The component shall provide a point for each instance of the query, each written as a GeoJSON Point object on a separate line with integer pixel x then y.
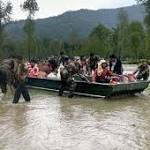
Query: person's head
{"type": "Point", "coordinates": [77, 65]}
{"type": "Point", "coordinates": [66, 60]}
{"type": "Point", "coordinates": [83, 60]}
{"type": "Point", "coordinates": [71, 66]}
{"type": "Point", "coordinates": [91, 54]}
{"type": "Point", "coordinates": [113, 58]}
{"type": "Point", "coordinates": [61, 53]}
{"type": "Point", "coordinates": [104, 65]}
{"type": "Point", "coordinates": [12, 64]}
{"type": "Point", "coordinates": [144, 62]}
{"type": "Point", "coordinates": [81, 57]}
{"type": "Point", "coordinates": [19, 59]}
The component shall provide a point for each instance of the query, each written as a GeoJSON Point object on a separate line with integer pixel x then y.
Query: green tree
{"type": "Point", "coordinates": [99, 41]}
{"type": "Point", "coordinates": [123, 39]}
{"type": "Point", "coordinates": [136, 39]}
{"type": "Point", "coordinates": [73, 42]}
{"type": "Point", "coordinates": [115, 39]}
{"type": "Point", "coordinates": [146, 3]}
{"type": "Point", "coordinates": [30, 6]}
{"type": "Point", "coordinates": [5, 12]}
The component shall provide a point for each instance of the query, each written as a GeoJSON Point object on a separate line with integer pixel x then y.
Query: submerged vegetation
{"type": "Point", "coordinates": [128, 40]}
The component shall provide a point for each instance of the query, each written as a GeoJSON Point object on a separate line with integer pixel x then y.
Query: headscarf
{"type": "Point", "coordinates": [100, 69]}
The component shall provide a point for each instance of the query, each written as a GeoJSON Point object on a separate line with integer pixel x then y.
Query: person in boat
{"type": "Point", "coordinates": [20, 77]}
{"type": "Point", "coordinates": [34, 72]}
{"type": "Point", "coordinates": [142, 72]}
{"type": "Point", "coordinates": [115, 65]}
{"type": "Point", "coordinates": [54, 73]}
{"type": "Point", "coordinates": [102, 73]}
{"type": "Point", "coordinates": [61, 58]}
{"type": "Point", "coordinates": [30, 67]}
{"type": "Point", "coordinates": [83, 65]}
{"type": "Point", "coordinates": [92, 63]}
{"type": "Point", "coordinates": [67, 80]}
{"type": "Point", "coordinates": [53, 64]}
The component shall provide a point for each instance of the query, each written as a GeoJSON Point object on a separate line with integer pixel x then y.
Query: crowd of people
{"type": "Point", "coordinates": [90, 69]}
{"type": "Point", "coordinates": [100, 70]}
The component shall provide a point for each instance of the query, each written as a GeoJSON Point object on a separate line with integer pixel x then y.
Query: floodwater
{"type": "Point", "coordinates": [50, 122]}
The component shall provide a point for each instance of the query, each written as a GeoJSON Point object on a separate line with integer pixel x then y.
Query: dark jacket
{"type": "Point", "coordinates": [118, 69]}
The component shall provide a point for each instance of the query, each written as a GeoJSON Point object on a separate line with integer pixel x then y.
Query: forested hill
{"type": "Point", "coordinates": [79, 22]}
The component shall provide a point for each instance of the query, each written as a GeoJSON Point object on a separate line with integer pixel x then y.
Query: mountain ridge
{"type": "Point", "coordinates": [80, 22]}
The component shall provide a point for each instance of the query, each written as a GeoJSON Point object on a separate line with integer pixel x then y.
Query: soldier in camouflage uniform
{"type": "Point", "coordinates": [7, 72]}
{"type": "Point", "coordinates": [20, 86]}
{"type": "Point", "coordinates": [67, 80]}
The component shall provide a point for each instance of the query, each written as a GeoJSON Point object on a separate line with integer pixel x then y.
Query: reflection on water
{"type": "Point", "coordinates": [54, 123]}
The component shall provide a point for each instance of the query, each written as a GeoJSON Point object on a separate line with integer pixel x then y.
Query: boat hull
{"type": "Point", "coordinates": [91, 89]}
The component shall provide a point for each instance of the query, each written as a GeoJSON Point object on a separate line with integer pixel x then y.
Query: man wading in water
{"type": "Point", "coordinates": [19, 83]}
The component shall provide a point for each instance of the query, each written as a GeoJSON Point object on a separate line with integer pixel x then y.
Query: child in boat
{"type": "Point", "coordinates": [102, 73]}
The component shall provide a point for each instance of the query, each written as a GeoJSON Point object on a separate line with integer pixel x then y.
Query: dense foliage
{"type": "Point", "coordinates": [5, 12]}
{"type": "Point", "coordinates": [31, 6]}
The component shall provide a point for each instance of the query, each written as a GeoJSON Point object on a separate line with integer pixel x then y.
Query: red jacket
{"type": "Point", "coordinates": [103, 75]}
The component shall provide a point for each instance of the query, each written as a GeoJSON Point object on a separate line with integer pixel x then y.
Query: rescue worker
{"type": "Point", "coordinates": [61, 58]}
{"type": "Point", "coordinates": [7, 73]}
{"type": "Point", "coordinates": [67, 80]}
{"type": "Point", "coordinates": [20, 83]}
{"type": "Point", "coordinates": [142, 71]}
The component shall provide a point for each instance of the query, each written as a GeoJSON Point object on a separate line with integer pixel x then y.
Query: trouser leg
{"type": "Point", "coordinates": [62, 88]}
{"type": "Point", "coordinates": [72, 87]}
{"type": "Point", "coordinates": [3, 87]}
{"type": "Point", "coordinates": [3, 82]}
{"type": "Point", "coordinates": [17, 94]}
{"type": "Point", "coordinates": [25, 93]}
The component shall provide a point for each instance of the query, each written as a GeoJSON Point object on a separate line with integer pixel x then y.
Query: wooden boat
{"type": "Point", "coordinates": [91, 89]}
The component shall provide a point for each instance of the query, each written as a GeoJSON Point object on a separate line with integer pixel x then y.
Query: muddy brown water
{"type": "Point", "coordinates": [50, 122]}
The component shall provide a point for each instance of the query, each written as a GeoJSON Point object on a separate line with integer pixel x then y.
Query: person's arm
{"type": "Point", "coordinates": [136, 71]}
{"type": "Point", "coordinates": [83, 77]}
{"type": "Point", "coordinates": [110, 73]}
{"type": "Point", "coordinates": [110, 65]}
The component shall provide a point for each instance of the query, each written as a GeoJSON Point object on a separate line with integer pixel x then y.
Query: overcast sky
{"type": "Point", "coordinates": [55, 7]}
